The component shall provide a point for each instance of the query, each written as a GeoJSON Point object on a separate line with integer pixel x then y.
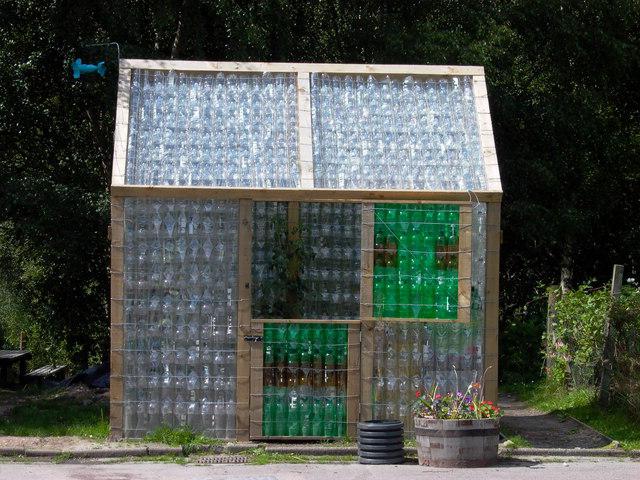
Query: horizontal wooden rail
{"type": "Point", "coordinates": [302, 194]}
{"type": "Point", "coordinates": [342, 68]}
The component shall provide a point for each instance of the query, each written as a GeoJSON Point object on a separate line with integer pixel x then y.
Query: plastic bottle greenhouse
{"type": "Point", "coordinates": [297, 247]}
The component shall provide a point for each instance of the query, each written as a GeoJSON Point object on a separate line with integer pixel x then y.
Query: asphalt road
{"type": "Point", "coordinates": [585, 469]}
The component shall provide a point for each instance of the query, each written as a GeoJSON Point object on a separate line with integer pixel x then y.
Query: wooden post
{"type": "Point", "coordinates": [465, 230]}
{"type": "Point", "coordinates": [243, 370]}
{"type": "Point", "coordinates": [366, 308]}
{"type": "Point", "coordinates": [552, 296]}
{"type": "Point", "coordinates": [492, 298]}
{"type": "Point", "coordinates": [116, 391]}
{"type": "Point", "coordinates": [257, 379]}
{"type": "Point", "coordinates": [121, 133]}
{"type": "Point", "coordinates": [305, 144]}
{"type": "Point", "coordinates": [608, 355]}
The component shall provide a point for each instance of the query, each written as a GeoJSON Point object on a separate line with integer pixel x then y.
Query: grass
{"type": "Point", "coordinates": [516, 441]}
{"type": "Point", "coordinates": [55, 418]}
{"type": "Point", "coordinates": [259, 456]}
{"type": "Point", "coordinates": [179, 437]}
{"type": "Point", "coordinates": [581, 404]}
{"type": "Point", "coordinates": [62, 457]}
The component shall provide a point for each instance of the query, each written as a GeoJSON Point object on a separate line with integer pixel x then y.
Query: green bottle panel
{"type": "Point", "coordinates": [416, 261]}
{"type": "Point", "coordinates": [305, 380]}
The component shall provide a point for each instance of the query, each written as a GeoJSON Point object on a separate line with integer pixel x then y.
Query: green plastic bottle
{"type": "Point", "coordinates": [431, 228]}
{"type": "Point", "coordinates": [293, 350]}
{"type": "Point", "coordinates": [390, 297]}
{"type": "Point", "coordinates": [404, 298]}
{"type": "Point", "coordinates": [318, 417]}
{"type": "Point", "coordinates": [280, 346]}
{"type": "Point", "coordinates": [428, 298]}
{"type": "Point", "coordinates": [441, 298]}
{"type": "Point", "coordinates": [341, 417]}
{"type": "Point", "coordinates": [293, 415]}
{"type": "Point", "coordinates": [379, 281]}
{"type": "Point", "coordinates": [441, 250]}
{"type": "Point", "coordinates": [306, 416]}
{"type": "Point", "coordinates": [403, 218]}
{"type": "Point", "coordinates": [452, 298]}
{"type": "Point", "coordinates": [391, 215]}
{"type": "Point", "coordinates": [281, 412]}
{"type": "Point", "coordinates": [330, 417]}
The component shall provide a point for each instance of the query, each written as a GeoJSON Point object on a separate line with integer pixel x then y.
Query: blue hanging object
{"type": "Point", "coordinates": [79, 68]}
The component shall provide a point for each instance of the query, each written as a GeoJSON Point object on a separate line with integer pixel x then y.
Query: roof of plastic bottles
{"type": "Point", "coordinates": [304, 126]}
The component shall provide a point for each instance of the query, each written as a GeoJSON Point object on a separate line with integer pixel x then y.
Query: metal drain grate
{"type": "Point", "coordinates": [222, 459]}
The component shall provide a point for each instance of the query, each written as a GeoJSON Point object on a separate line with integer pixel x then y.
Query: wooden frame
{"type": "Point", "coordinates": [121, 133]}
{"type": "Point", "coordinates": [303, 195]}
{"type": "Point", "coordinates": [360, 332]}
{"type": "Point", "coordinates": [342, 68]}
{"type": "Point", "coordinates": [243, 355]}
{"type": "Point", "coordinates": [116, 398]}
{"type": "Point", "coordinates": [492, 299]}
{"type": "Point", "coordinates": [464, 271]}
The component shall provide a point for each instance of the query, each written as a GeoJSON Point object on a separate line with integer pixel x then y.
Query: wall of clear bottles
{"type": "Point", "coordinates": [212, 129]}
{"type": "Point", "coordinates": [180, 315]}
{"type": "Point", "coordinates": [388, 133]}
{"type": "Point", "coordinates": [330, 273]}
{"type": "Point", "coordinates": [270, 230]}
{"type": "Point", "coordinates": [418, 355]}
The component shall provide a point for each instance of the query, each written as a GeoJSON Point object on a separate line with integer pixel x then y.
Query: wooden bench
{"type": "Point", "coordinates": [39, 374]}
{"type": "Point", "coordinates": [8, 358]}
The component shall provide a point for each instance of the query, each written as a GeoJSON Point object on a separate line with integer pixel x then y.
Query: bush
{"type": "Point", "coordinates": [580, 317]}
{"type": "Point", "coordinates": [576, 353]}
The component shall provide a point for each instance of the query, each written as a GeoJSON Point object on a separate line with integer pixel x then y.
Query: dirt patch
{"type": "Point", "coordinates": [546, 430]}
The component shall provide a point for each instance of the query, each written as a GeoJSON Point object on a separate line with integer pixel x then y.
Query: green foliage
{"type": "Point", "coordinates": [580, 318]}
{"type": "Point", "coordinates": [616, 423]}
{"type": "Point", "coordinates": [521, 355]}
{"type": "Point", "coordinates": [577, 352]}
{"type": "Point", "coordinates": [57, 417]}
{"type": "Point", "coordinates": [625, 323]}
{"type": "Point", "coordinates": [284, 293]}
{"type": "Point", "coordinates": [178, 437]}
{"type": "Point", "coordinates": [259, 456]}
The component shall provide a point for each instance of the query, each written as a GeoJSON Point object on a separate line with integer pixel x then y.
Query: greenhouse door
{"type": "Point", "coordinates": [304, 333]}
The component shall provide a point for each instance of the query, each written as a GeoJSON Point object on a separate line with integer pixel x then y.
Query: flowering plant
{"type": "Point", "coordinates": [466, 405]}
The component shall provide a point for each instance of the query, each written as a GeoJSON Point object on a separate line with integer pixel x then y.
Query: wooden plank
{"type": "Point", "coordinates": [464, 264]}
{"type": "Point", "coordinates": [293, 219]}
{"type": "Point", "coordinates": [259, 67]}
{"type": "Point", "coordinates": [353, 380]}
{"type": "Point", "coordinates": [366, 307]}
{"type": "Point", "coordinates": [336, 321]}
{"type": "Point", "coordinates": [244, 319]}
{"type": "Point", "coordinates": [492, 307]}
{"type": "Point", "coordinates": [305, 143]}
{"type": "Point", "coordinates": [302, 194]}
{"type": "Point", "coordinates": [257, 379]}
{"type": "Point", "coordinates": [368, 320]}
{"type": "Point", "coordinates": [293, 270]}
{"type": "Point", "coordinates": [117, 318]}
{"type": "Point", "coordinates": [485, 127]}
{"type": "Point", "coordinates": [121, 133]}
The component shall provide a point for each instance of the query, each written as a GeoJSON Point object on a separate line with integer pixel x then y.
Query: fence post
{"type": "Point", "coordinates": [606, 370]}
{"type": "Point", "coordinates": [552, 297]}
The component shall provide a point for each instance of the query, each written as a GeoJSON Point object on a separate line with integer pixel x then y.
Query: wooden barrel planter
{"type": "Point", "coordinates": [457, 443]}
